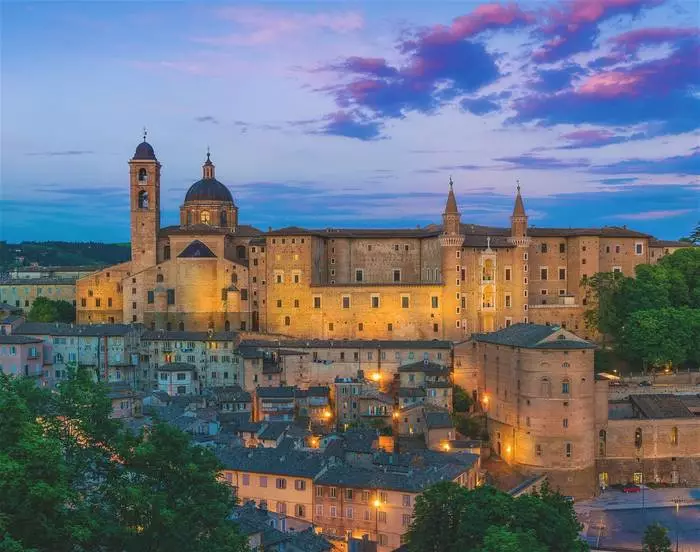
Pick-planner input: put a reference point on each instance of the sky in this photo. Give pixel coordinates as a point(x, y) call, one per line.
point(338, 114)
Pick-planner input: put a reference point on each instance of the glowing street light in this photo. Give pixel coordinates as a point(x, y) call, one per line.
point(446, 447)
point(376, 376)
point(327, 414)
point(377, 503)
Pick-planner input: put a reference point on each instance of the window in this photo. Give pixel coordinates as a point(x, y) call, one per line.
point(545, 387)
point(281, 508)
point(359, 275)
point(319, 491)
point(434, 301)
point(602, 442)
point(205, 217)
point(383, 539)
point(300, 484)
point(397, 275)
point(568, 449)
point(674, 436)
point(405, 302)
point(562, 274)
point(98, 302)
point(543, 248)
point(333, 492)
point(360, 327)
point(562, 248)
point(150, 297)
point(543, 273)
point(405, 520)
point(171, 296)
point(538, 450)
point(508, 300)
point(287, 321)
point(406, 501)
point(565, 387)
point(296, 277)
point(381, 517)
point(281, 483)
point(389, 327)
point(617, 270)
point(346, 301)
point(638, 438)
point(279, 303)
point(507, 274)
point(565, 423)
point(83, 302)
point(348, 494)
point(317, 302)
point(375, 301)
point(349, 513)
point(638, 248)
point(245, 479)
point(279, 278)
point(299, 511)
point(330, 326)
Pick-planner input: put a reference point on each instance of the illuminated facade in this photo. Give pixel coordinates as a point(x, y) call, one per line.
point(436, 282)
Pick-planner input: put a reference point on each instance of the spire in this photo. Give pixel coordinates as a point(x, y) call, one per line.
point(208, 167)
point(145, 133)
point(451, 205)
point(519, 209)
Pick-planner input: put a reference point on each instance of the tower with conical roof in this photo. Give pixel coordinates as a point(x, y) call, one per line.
point(518, 223)
point(144, 183)
point(451, 241)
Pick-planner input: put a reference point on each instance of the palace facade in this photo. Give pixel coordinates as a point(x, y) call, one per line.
point(437, 282)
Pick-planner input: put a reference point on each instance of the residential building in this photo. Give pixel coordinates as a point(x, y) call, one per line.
point(22, 355)
point(22, 292)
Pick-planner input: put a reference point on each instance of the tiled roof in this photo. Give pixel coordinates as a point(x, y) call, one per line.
point(273, 430)
point(282, 392)
point(356, 232)
point(411, 392)
point(118, 390)
point(38, 282)
point(232, 393)
point(197, 249)
point(12, 318)
point(177, 367)
point(18, 340)
point(171, 335)
point(534, 336)
point(438, 420)
point(270, 461)
point(91, 330)
point(319, 391)
point(669, 243)
point(431, 368)
point(242, 230)
point(661, 406)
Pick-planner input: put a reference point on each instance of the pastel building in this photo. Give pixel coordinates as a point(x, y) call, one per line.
point(22, 356)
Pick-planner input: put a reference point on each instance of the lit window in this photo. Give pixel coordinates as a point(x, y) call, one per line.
point(205, 217)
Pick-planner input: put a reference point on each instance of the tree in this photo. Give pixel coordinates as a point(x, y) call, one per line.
point(50, 310)
point(656, 539)
point(449, 518)
point(461, 401)
point(694, 236)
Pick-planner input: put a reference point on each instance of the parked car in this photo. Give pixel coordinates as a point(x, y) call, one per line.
point(631, 488)
point(644, 384)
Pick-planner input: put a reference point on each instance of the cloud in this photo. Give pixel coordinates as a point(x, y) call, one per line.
point(207, 119)
point(554, 80)
point(573, 27)
point(350, 125)
point(481, 105)
point(653, 215)
point(441, 63)
point(592, 139)
point(658, 92)
point(679, 164)
point(630, 42)
point(528, 161)
point(63, 153)
point(267, 26)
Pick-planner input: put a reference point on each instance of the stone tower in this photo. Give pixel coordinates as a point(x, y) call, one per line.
point(451, 241)
point(519, 238)
point(518, 223)
point(144, 182)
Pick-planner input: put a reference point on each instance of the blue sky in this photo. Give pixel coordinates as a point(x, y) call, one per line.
point(353, 114)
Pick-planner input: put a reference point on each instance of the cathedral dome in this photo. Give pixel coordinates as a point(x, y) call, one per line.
point(144, 151)
point(208, 189)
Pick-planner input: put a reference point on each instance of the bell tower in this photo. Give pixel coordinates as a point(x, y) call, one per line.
point(144, 184)
point(518, 223)
point(451, 241)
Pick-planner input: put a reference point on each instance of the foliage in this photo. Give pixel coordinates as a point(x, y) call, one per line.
point(50, 310)
point(694, 236)
point(652, 317)
point(656, 539)
point(450, 518)
point(461, 401)
point(56, 253)
point(71, 479)
point(469, 426)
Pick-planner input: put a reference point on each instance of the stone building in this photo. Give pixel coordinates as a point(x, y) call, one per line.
point(437, 282)
point(21, 293)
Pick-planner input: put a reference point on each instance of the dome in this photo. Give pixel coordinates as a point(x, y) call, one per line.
point(145, 151)
point(208, 189)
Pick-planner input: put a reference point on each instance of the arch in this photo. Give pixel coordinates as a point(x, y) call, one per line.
point(143, 175)
point(181, 326)
point(674, 436)
point(204, 217)
point(223, 218)
point(565, 365)
point(143, 199)
point(240, 251)
point(159, 278)
point(227, 326)
point(638, 438)
point(602, 442)
point(234, 278)
point(546, 387)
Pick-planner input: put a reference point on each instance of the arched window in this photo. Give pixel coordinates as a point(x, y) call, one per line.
point(159, 278)
point(287, 321)
point(189, 218)
point(204, 217)
point(545, 387)
point(227, 326)
point(674, 436)
point(234, 278)
point(602, 442)
point(143, 175)
point(565, 365)
point(638, 438)
point(240, 251)
point(143, 199)
point(565, 386)
point(181, 326)
point(223, 219)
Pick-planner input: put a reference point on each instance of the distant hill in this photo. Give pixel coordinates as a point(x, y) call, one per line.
point(57, 253)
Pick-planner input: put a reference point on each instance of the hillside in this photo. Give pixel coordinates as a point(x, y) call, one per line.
point(56, 253)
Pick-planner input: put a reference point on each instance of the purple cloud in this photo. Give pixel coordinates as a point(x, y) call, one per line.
point(554, 80)
point(528, 161)
point(479, 106)
point(630, 42)
point(592, 139)
point(574, 27)
point(350, 125)
point(679, 164)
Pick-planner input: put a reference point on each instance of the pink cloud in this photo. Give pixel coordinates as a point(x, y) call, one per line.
point(631, 41)
point(610, 84)
point(266, 26)
point(654, 215)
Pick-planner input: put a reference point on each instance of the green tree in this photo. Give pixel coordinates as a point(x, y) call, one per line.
point(461, 401)
point(50, 310)
point(694, 236)
point(501, 539)
point(656, 539)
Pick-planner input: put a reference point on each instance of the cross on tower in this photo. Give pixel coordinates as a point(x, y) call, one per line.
point(145, 133)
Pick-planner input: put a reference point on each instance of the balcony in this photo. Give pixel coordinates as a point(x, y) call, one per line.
point(488, 306)
point(487, 278)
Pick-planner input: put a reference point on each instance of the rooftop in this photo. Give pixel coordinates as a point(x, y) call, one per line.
point(170, 335)
point(430, 368)
point(535, 336)
point(177, 367)
point(18, 340)
point(347, 344)
point(661, 406)
point(270, 461)
point(91, 330)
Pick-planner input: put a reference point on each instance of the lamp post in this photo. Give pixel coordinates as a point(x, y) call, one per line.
point(677, 502)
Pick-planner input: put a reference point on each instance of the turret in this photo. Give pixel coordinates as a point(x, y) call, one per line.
point(451, 241)
point(518, 223)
